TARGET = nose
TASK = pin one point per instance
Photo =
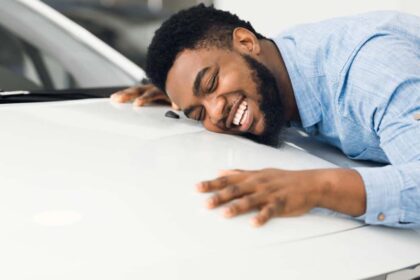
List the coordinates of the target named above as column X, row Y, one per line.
column 215, row 108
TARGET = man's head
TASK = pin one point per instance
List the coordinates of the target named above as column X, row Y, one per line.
column 207, row 61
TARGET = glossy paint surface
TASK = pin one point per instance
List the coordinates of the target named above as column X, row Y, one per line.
column 92, row 190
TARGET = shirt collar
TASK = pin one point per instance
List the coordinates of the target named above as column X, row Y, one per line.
column 308, row 104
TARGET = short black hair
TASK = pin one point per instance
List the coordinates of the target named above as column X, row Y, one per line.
column 192, row 28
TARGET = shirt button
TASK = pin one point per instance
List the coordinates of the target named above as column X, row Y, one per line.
column 417, row 117
column 381, row 217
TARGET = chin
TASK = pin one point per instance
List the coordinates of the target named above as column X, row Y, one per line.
column 273, row 138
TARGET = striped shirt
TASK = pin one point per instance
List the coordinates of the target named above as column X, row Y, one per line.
column 357, row 86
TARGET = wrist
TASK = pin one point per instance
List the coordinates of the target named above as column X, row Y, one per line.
column 340, row 190
column 322, row 187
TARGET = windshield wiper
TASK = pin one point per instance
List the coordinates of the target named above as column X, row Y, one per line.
column 23, row 96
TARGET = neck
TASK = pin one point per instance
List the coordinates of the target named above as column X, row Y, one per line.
column 271, row 57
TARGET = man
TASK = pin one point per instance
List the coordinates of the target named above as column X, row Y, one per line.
column 351, row 82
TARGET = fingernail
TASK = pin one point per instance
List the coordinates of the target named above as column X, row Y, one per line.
column 200, row 187
column 228, row 212
column 115, row 97
column 211, row 202
column 139, row 102
column 255, row 222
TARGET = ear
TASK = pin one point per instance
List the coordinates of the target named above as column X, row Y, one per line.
column 245, row 41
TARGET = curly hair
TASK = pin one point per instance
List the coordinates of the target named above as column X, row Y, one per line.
column 193, row 28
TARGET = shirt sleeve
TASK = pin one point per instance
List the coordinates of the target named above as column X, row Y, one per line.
column 393, row 191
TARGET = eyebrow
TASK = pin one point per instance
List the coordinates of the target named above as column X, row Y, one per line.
column 197, row 81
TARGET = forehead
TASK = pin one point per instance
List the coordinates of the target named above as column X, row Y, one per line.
column 181, row 76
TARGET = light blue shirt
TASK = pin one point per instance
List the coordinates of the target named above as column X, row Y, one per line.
column 357, row 86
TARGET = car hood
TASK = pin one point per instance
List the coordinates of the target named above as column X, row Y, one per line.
column 90, row 185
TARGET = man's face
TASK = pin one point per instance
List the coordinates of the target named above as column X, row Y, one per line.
column 227, row 91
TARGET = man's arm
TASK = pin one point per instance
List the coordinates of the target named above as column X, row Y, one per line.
column 388, row 195
column 283, row 193
column 393, row 191
column 383, row 89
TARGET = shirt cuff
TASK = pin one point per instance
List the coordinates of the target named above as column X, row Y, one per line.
column 383, row 186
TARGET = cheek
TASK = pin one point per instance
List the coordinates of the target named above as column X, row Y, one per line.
column 240, row 81
column 231, row 81
column 210, row 126
column 234, row 79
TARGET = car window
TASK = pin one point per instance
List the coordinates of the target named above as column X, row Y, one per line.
column 24, row 66
column 45, row 50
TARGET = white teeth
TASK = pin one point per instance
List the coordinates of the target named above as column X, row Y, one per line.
column 244, row 117
column 239, row 115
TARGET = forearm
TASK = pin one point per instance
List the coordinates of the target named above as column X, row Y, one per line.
column 341, row 190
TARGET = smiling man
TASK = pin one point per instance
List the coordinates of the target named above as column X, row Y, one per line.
column 351, row 82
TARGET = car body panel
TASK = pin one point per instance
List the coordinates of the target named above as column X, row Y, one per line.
column 91, row 184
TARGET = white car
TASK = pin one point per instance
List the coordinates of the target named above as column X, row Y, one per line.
column 94, row 190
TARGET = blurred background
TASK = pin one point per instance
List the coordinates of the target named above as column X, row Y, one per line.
column 128, row 25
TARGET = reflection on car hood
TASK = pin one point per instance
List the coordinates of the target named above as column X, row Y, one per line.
column 92, row 188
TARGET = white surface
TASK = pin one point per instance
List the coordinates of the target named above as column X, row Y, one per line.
column 96, row 191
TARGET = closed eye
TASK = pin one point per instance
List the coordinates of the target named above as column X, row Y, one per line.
column 197, row 113
column 202, row 114
column 212, row 82
column 212, row 85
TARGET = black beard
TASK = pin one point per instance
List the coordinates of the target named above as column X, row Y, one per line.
column 271, row 104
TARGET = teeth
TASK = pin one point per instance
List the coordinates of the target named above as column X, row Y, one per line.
column 244, row 117
column 239, row 115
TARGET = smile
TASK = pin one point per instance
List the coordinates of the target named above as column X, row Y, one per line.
column 240, row 117
column 241, row 113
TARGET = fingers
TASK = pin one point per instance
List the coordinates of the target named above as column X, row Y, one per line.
column 219, row 183
column 230, row 172
column 127, row 95
column 228, row 193
column 140, row 95
column 245, row 204
column 266, row 213
column 149, row 96
column 276, row 192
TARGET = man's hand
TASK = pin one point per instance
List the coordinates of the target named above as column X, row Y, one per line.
column 277, row 192
column 142, row 95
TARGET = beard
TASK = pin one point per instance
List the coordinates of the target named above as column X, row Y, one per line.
column 271, row 104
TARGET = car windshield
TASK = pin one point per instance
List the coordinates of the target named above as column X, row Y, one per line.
column 38, row 54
